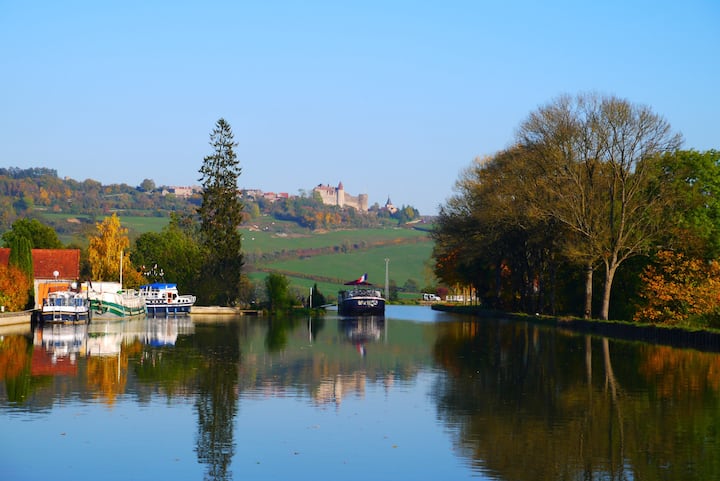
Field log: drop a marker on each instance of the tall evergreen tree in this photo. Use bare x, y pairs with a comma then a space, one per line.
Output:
220, 215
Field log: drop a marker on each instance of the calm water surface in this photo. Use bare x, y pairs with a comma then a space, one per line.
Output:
419, 395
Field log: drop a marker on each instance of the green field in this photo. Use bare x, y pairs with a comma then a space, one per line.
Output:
136, 225
405, 261
277, 240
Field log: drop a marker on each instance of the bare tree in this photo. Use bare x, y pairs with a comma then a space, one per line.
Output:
593, 169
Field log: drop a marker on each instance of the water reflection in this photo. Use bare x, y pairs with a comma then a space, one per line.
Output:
360, 331
488, 399
533, 403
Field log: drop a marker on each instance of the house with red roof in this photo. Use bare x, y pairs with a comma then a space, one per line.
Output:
53, 270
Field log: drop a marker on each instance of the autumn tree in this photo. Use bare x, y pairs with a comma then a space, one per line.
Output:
14, 288
220, 216
108, 250
596, 170
678, 289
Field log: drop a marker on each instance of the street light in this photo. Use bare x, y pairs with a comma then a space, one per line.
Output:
387, 280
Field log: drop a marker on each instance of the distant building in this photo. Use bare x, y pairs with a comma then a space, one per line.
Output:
338, 197
390, 207
182, 191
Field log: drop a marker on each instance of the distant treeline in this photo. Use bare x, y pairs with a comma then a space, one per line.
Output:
36, 191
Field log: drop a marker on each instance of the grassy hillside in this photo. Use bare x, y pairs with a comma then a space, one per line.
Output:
136, 225
277, 239
354, 252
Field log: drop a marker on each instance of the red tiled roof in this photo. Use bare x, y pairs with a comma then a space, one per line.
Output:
46, 261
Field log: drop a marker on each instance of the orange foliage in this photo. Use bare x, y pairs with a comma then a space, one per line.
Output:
676, 372
107, 376
13, 356
14, 288
677, 288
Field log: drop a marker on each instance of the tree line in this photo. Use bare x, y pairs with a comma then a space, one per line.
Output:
590, 184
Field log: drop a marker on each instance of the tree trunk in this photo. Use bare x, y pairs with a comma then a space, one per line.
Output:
588, 290
610, 270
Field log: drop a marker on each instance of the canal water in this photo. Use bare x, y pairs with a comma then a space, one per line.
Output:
418, 395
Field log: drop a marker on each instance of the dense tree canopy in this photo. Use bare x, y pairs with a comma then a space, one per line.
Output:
581, 187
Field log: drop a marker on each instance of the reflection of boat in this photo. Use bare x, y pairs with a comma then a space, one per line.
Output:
163, 298
57, 348
65, 306
363, 329
362, 298
108, 300
105, 338
161, 332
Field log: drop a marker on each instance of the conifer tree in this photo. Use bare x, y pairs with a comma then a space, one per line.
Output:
220, 215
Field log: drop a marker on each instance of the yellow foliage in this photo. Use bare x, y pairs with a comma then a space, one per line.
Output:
105, 250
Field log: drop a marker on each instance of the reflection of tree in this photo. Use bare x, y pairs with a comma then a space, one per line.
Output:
107, 375
15, 366
278, 329
528, 405
217, 398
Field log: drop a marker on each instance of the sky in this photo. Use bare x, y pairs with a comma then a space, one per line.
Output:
392, 98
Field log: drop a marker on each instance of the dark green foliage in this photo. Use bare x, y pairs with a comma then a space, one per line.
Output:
21, 255
278, 292
220, 216
172, 255
317, 298
38, 234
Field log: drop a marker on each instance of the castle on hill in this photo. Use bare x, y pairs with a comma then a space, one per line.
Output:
338, 197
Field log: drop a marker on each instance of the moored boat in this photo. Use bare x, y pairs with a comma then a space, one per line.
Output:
65, 306
108, 300
163, 298
360, 298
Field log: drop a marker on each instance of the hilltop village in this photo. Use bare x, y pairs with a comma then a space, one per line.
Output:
329, 195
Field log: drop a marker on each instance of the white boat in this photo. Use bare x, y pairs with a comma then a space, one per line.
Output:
108, 300
163, 298
65, 306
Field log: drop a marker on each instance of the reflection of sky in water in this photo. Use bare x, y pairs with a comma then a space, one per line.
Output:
383, 433
413, 313
80, 441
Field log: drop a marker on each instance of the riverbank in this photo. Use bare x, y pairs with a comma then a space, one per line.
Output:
15, 318
699, 339
223, 310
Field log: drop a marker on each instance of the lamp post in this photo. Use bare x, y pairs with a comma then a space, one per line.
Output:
387, 280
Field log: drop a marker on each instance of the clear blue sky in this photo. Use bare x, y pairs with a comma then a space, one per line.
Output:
393, 98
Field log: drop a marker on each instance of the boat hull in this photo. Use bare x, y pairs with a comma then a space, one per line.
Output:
61, 316
165, 309
104, 309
